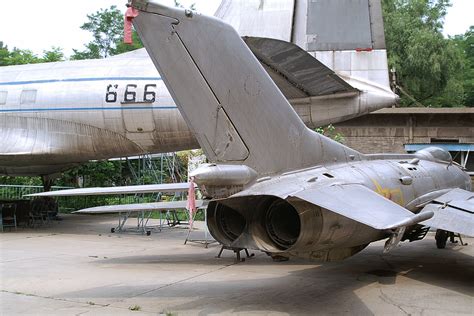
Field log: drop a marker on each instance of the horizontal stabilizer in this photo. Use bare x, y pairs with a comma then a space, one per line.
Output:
361, 204
139, 207
295, 71
132, 189
453, 211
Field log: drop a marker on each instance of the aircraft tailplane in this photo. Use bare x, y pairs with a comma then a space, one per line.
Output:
228, 100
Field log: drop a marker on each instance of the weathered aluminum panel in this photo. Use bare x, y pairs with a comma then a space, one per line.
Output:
454, 212
259, 18
326, 195
376, 24
73, 93
359, 203
343, 25
228, 80
371, 66
71, 122
450, 219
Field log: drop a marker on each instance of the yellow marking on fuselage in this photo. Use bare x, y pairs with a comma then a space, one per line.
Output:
393, 194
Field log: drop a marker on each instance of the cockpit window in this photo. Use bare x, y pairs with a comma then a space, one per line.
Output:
435, 153
3, 97
28, 97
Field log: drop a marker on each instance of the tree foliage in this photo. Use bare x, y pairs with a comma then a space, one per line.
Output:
25, 56
427, 65
330, 131
53, 55
106, 26
465, 43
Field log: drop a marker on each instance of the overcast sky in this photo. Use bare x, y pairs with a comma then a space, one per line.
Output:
40, 24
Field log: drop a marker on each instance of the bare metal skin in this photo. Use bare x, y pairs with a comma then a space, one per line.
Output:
56, 115
276, 185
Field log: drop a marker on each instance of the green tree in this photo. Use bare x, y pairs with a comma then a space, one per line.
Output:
92, 51
465, 43
4, 54
330, 131
21, 57
55, 54
92, 174
24, 56
121, 47
426, 63
20, 180
106, 26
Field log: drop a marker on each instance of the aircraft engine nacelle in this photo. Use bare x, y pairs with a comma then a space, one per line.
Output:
291, 227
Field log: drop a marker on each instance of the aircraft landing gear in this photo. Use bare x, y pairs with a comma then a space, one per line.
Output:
442, 238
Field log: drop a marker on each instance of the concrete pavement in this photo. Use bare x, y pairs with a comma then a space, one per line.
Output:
77, 267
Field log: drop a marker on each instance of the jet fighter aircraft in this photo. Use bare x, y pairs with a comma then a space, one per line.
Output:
57, 115
276, 185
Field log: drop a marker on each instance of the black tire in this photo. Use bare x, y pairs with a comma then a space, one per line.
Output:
441, 238
112, 230
148, 232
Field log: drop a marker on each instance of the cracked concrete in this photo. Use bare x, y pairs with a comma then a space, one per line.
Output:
76, 267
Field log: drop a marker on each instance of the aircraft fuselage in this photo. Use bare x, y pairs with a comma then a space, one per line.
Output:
58, 114
314, 230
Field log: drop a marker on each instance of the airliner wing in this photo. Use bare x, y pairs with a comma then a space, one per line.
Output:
139, 207
132, 189
453, 211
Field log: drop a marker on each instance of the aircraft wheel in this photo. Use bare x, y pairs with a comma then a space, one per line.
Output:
148, 232
441, 238
112, 230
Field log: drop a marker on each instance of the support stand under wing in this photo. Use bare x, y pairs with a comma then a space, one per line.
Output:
207, 237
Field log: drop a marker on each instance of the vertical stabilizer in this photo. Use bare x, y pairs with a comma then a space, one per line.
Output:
228, 100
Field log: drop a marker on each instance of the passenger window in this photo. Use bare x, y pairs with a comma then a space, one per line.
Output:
28, 97
3, 97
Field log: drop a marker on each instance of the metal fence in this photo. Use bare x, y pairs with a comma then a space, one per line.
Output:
18, 192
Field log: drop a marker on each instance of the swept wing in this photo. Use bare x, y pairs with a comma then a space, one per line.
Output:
453, 211
139, 207
132, 189
363, 205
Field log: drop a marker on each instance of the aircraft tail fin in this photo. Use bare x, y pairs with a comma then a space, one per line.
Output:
228, 100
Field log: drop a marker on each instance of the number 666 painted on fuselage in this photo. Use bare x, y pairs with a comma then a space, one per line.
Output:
130, 94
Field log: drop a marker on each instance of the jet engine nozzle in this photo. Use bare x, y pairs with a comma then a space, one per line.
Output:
290, 226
